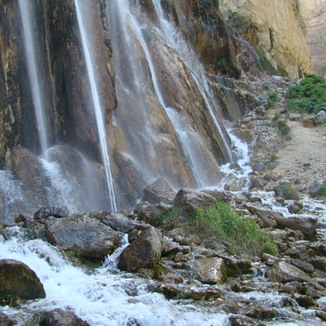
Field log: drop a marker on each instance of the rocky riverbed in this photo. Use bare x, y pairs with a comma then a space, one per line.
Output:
162, 258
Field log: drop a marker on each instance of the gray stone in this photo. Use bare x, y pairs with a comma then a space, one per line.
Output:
60, 317
189, 200
86, 236
211, 270
144, 252
307, 225
321, 116
45, 212
118, 222
159, 191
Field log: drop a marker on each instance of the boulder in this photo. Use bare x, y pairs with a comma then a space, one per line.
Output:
5, 320
211, 270
18, 281
86, 236
144, 252
150, 213
159, 191
189, 200
307, 225
321, 116
266, 216
45, 212
60, 317
118, 222
285, 272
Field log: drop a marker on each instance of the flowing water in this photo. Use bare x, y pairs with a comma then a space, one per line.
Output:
33, 72
103, 297
97, 106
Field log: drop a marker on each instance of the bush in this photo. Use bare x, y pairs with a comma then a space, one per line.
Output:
283, 127
322, 191
309, 96
290, 192
244, 235
272, 99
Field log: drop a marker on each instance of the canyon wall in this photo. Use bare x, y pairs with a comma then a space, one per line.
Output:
314, 13
281, 33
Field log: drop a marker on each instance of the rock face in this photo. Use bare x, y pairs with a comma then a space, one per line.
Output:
86, 236
18, 281
314, 13
280, 32
144, 252
59, 317
211, 270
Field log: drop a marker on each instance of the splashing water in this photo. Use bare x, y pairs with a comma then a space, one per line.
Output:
97, 107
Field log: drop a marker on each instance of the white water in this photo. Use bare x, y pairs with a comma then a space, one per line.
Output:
33, 73
97, 107
101, 298
190, 59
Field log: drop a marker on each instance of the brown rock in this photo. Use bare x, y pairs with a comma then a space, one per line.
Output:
18, 281
145, 251
307, 225
60, 317
159, 191
211, 270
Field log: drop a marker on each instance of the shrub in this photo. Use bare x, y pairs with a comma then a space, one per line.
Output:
309, 96
283, 127
244, 235
290, 192
272, 99
322, 191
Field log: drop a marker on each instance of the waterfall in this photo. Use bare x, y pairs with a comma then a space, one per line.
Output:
190, 59
33, 72
97, 107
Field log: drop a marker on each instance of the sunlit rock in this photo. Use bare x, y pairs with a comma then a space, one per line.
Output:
211, 270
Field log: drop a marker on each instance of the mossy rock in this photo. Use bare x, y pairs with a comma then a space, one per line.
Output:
18, 283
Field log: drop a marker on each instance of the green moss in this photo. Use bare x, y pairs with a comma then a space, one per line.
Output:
309, 96
272, 99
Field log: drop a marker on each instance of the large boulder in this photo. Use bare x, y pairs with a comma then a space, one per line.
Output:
18, 281
307, 225
60, 317
45, 212
144, 252
159, 191
285, 272
211, 270
189, 200
87, 236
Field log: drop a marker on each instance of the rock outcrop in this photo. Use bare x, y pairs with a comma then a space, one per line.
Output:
314, 14
280, 32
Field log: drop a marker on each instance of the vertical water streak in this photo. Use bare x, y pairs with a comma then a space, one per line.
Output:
97, 107
190, 59
33, 72
190, 148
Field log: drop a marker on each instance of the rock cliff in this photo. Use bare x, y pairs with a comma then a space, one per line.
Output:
314, 13
280, 32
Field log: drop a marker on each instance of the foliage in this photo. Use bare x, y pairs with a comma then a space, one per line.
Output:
223, 63
283, 127
243, 235
322, 191
290, 192
272, 99
309, 96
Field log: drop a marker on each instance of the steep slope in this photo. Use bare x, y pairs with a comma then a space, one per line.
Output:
280, 31
314, 13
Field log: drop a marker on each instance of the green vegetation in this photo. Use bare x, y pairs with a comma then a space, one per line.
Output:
223, 63
272, 99
284, 128
322, 191
309, 96
243, 235
290, 192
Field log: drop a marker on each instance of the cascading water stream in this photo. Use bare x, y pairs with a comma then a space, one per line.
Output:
190, 59
97, 107
31, 59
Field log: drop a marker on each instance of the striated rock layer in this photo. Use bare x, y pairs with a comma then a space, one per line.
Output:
280, 31
314, 13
